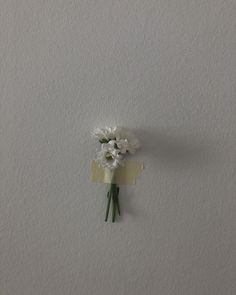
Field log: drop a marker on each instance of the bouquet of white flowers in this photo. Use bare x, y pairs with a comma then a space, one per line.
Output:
116, 143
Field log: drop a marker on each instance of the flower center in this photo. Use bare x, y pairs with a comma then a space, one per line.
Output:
108, 157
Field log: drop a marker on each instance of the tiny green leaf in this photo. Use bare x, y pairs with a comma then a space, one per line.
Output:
104, 140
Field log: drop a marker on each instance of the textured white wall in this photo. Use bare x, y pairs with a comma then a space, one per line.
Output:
163, 68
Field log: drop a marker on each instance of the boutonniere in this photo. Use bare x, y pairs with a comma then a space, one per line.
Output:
116, 144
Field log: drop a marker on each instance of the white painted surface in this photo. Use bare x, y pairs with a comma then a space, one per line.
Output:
163, 68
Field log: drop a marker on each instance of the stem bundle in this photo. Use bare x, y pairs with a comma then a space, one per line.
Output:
112, 198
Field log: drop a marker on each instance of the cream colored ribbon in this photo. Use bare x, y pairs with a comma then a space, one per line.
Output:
122, 175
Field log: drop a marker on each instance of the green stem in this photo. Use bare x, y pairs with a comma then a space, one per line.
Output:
108, 204
117, 200
113, 208
112, 197
113, 193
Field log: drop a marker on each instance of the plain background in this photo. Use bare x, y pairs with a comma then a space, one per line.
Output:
165, 69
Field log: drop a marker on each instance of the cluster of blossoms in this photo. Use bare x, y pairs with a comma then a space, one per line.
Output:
116, 142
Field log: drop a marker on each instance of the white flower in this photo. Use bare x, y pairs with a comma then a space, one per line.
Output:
122, 145
119, 137
109, 156
126, 141
105, 134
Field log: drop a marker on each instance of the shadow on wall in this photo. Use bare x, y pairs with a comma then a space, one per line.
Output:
170, 150
175, 151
